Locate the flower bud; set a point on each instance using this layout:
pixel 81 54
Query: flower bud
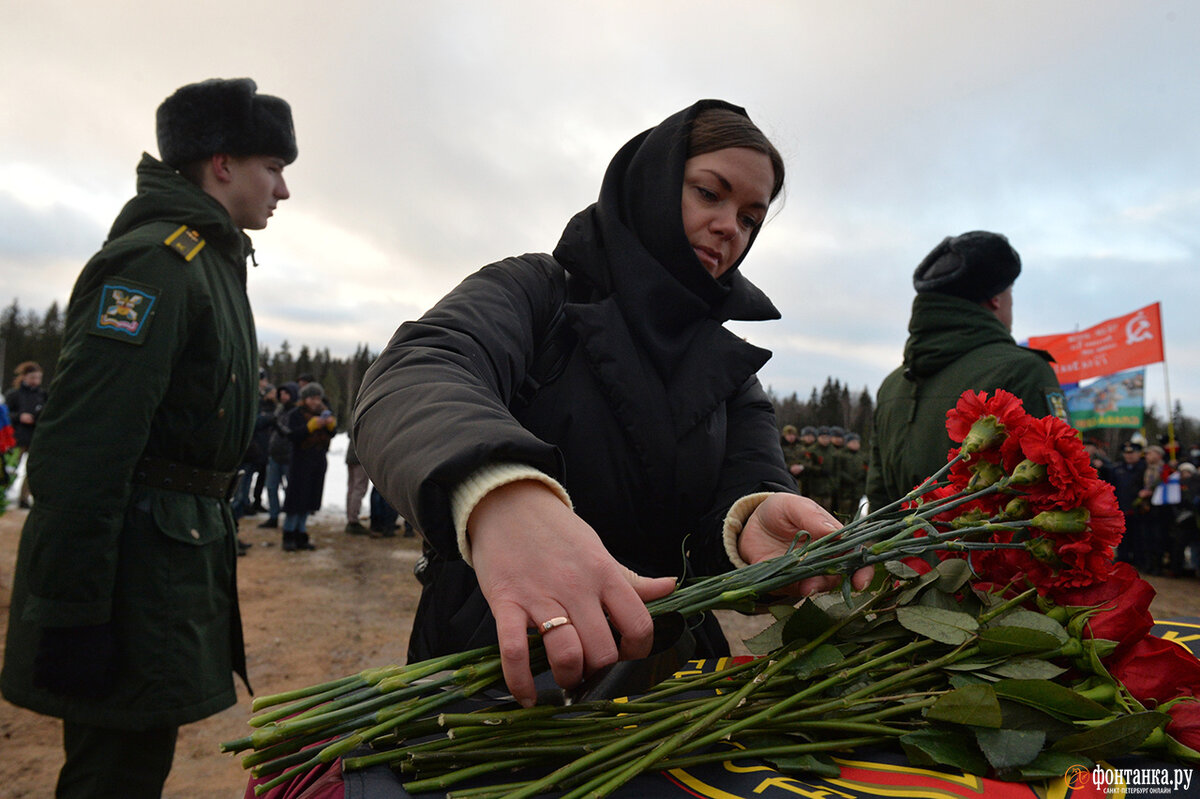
pixel 985 433
pixel 1027 473
pixel 1063 521
pixel 1017 508
pixel 984 474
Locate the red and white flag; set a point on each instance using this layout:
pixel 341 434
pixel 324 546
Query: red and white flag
pixel 1134 339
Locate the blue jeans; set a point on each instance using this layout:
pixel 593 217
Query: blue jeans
pixel 295 522
pixel 276 474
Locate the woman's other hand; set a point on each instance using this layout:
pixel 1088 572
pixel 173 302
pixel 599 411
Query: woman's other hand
pixel 535 561
pixel 773 526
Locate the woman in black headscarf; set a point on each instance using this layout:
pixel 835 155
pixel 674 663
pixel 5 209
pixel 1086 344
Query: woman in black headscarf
pixel 571 433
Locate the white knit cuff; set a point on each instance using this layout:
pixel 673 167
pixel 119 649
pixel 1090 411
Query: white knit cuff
pixel 488 478
pixel 735 520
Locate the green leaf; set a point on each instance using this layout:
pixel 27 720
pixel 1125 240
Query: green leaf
pixel 807 622
pixel 975 705
pixel 939 599
pixel 1010 748
pixel 920 584
pixel 1016 641
pixel 767 640
pixel 824 658
pixel 944 626
pixel 1025 668
pixel 977 663
pixel 1018 716
pixel 1031 620
pixel 941 748
pixel 1050 765
pixel 1120 736
pixel 820 764
pixel 901 570
pixel 963 680
pixel 953 574
pixel 1052 698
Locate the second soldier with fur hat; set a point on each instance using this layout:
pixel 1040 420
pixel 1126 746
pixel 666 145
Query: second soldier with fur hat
pixel 960 338
pixel 124 619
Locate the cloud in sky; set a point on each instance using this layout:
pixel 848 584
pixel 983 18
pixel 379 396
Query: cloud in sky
pixel 435 138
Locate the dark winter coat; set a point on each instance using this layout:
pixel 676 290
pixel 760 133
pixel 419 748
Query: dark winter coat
pixel 600 366
pixel 24 399
pixel 279 445
pixel 306 475
pixel 172 375
pixel 953 345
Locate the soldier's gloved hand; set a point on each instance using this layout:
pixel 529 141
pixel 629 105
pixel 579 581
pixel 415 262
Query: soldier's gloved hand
pixel 79 662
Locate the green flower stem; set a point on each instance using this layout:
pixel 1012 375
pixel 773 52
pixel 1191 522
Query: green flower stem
pixel 782 750
pixel 333 687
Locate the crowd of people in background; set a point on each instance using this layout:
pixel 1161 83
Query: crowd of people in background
pixel 829 465
pixel 1158 491
pixel 283 470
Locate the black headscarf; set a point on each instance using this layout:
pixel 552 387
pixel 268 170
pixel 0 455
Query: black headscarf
pixel 632 244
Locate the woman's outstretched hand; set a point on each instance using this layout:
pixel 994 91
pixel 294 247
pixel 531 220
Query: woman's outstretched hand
pixel 773 526
pixel 536 561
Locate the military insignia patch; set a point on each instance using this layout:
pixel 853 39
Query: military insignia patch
pixel 1057 401
pixel 125 311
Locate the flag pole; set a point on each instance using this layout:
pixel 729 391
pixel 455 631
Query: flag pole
pixel 1172 447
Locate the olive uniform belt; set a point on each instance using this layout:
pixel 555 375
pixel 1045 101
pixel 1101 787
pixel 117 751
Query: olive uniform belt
pixel 155 472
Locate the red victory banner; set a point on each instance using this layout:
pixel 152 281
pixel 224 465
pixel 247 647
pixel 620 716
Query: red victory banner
pixel 1127 341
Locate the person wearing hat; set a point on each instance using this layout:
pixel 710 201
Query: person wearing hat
pixel 124 617
pixel 821 484
pixel 852 476
pixel 960 338
pixel 793 451
pixel 310 427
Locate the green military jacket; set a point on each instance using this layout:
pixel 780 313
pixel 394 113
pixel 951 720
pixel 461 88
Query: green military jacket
pixel 159 358
pixel 953 345
pixel 794 453
pixel 852 481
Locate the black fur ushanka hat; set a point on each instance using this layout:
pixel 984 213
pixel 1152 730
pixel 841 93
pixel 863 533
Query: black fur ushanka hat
pixel 974 266
pixel 224 116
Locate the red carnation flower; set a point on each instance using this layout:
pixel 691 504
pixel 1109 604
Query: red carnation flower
pixel 973 406
pixel 1054 444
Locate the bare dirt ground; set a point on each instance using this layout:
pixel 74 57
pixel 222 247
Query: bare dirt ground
pixel 309 617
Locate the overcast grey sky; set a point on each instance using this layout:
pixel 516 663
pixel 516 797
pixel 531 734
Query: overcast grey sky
pixel 437 137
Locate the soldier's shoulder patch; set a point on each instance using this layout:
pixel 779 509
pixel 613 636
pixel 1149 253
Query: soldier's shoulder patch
pixel 1057 402
pixel 125 311
pixel 186 241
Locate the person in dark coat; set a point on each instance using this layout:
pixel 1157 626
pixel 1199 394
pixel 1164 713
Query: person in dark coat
pixel 310 427
pixel 124 620
pixel 960 338
pixel 572 432
pixel 279 451
pixel 25 402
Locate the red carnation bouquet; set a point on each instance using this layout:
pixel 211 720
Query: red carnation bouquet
pixel 998 637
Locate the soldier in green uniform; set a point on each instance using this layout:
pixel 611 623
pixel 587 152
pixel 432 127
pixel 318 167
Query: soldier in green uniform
pixel 793 451
pixel 808 442
pixel 959 338
pixel 124 619
pixel 852 478
pixel 820 471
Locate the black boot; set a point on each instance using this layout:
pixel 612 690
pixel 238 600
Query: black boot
pixel 289 540
pixel 302 542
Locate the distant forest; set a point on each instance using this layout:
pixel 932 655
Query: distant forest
pixel 26 335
